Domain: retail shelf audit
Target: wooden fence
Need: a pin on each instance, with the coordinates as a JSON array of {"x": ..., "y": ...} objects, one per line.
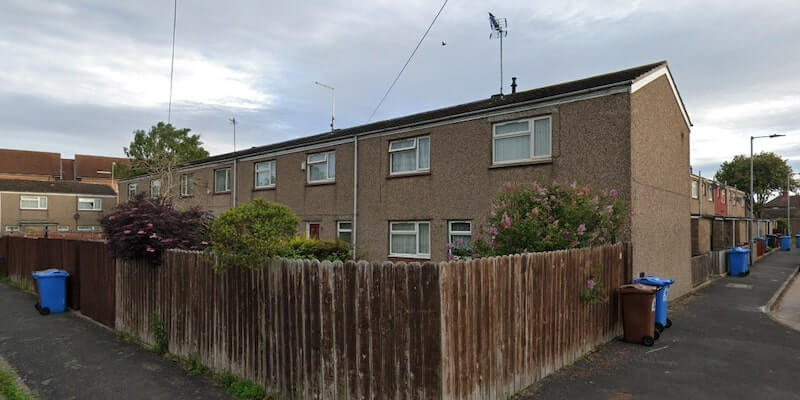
[
  {"x": 90, "y": 287},
  {"x": 484, "y": 328}
]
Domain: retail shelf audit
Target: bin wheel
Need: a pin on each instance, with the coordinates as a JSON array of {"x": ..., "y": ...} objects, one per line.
[
  {"x": 659, "y": 328},
  {"x": 648, "y": 341},
  {"x": 669, "y": 323},
  {"x": 38, "y": 306},
  {"x": 44, "y": 311},
  {"x": 656, "y": 335}
]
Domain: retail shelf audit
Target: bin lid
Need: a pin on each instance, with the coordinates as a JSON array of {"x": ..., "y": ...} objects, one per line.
[
  {"x": 50, "y": 273},
  {"x": 738, "y": 250},
  {"x": 637, "y": 288},
  {"x": 655, "y": 281}
]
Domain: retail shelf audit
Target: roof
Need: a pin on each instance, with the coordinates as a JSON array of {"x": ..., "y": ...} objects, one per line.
[
  {"x": 96, "y": 166},
  {"x": 780, "y": 202},
  {"x": 25, "y": 186},
  {"x": 30, "y": 162},
  {"x": 598, "y": 82}
]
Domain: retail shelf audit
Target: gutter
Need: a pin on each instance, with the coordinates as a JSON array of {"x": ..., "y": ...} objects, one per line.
[{"x": 355, "y": 198}]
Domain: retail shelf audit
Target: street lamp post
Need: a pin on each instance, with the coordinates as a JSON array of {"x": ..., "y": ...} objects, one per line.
[
  {"x": 789, "y": 203},
  {"x": 752, "y": 195}
]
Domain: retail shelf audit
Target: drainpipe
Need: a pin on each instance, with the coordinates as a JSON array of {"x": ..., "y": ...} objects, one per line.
[
  {"x": 233, "y": 188},
  {"x": 355, "y": 196}
]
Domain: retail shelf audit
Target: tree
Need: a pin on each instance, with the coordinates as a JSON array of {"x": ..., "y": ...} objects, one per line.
[
  {"x": 160, "y": 150},
  {"x": 769, "y": 176}
]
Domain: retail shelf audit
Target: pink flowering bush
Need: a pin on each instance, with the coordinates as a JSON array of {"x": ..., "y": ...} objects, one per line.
[
  {"x": 593, "y": 292},
  {"x": 144, "y": 228},
  {"x": 534, "y": 217}
]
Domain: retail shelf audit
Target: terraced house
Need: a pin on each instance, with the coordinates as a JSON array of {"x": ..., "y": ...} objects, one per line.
[{"x": 405, "y": 187}]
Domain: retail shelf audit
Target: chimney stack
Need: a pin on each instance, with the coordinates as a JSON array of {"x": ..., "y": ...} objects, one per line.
[{"x": 513, "y": 84}]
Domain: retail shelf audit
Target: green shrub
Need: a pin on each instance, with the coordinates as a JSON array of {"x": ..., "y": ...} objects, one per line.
[
  {"x": 330, "y": 250},
  {"x": 246, "y": 235},
  {"x": 534, "y": 217},
  {"x": 160, "y": 337},
  {"x": 246, "y": 390}
]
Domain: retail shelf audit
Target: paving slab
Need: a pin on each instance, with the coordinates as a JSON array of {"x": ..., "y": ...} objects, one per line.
[
  {"x": 63, "y": 356},
  {"x": 723, "y": 345},
  {"x": 788, "y": 309}
]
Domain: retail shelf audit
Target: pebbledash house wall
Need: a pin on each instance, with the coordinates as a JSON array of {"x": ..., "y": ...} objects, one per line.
[
  {"x": 600, "y": 140},
  {"x": 660, "y": 228}
]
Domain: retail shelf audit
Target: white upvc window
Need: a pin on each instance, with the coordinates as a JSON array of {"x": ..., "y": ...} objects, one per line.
[
  {"x": 410, "y": 239},
  {"x": 62, "y": 228},
  {"x": 344, "y": 231},
  {"x": 321, "y": 167},
  {"x": 186, "y": 185},
  {"x": 155, "y": 188},
  {"x": 410, "y": 155},
  {"x": 90, "y": 204},
  {"x": 90, "y": 228},
  {"x": 33, "y": 202},
  {"x": 265, "y": 174},
  {"x": 694, "y": 190},
  {"x": 459, "y": 233},
  {"x": 222, "y": 180},
  {"x": 710, "y": 192},
  {"x": 12, "y": 228},
  {"x": 131, "y": 191},
  {"x": 522, "y": 140}
]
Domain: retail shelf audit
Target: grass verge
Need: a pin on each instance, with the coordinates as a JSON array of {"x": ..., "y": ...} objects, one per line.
[
  {"x": 25, "y": 286},
  {"x": 9, "y": 386}
]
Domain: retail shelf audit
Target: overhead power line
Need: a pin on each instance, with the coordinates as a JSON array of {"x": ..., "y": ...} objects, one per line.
[{"x": 407, "y": 61}]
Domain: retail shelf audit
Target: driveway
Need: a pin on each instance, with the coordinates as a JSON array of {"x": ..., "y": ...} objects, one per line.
[
  {"x": 63, "y": 356},
  {"x": 722, "y": 346}
]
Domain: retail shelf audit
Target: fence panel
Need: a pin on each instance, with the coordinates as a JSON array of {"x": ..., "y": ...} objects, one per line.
[
  {"x": 4, "y": 255},
  {"x": 97, "y": 281},
  {"x": 509, "y": 321}
]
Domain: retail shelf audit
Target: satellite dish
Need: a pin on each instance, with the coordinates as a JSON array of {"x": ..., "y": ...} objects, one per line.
[{"x": 76, "y": 217}]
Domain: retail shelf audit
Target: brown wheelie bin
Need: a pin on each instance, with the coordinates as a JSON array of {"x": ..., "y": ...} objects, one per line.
[{"x": 638, "y": 313}]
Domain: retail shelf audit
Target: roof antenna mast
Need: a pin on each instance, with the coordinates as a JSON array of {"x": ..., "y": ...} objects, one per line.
[
  {"x": 333, "y": 101},
  {"x": 499, "y": 30}
]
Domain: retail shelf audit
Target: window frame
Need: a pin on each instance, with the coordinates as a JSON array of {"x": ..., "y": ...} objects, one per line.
[
  {"x": 272, "y": 171},
  {"x": 97, "y": 203},
  {"x": 451, "y": 232},
  {"x": 308, "y": 229},
  {"x": 186, "y": 186},
  {"x": 66, "y": 228},
  {"x": 530, "y": 133},
  {"x": 154, "y": 195},
  {"x": 227, "y": 171},
  {"x": 417, "y": 223},
  {"x": 414, "y": 146},
  {"x": 30, "y": 198},
  {"x": 88, "y": 228},
  {"x": 13, "y": 229},
  {"x": 328, "y": 178},
  {"x": 339, "y": 230},
  {"x": 132, "y": 190},
  {"x": 695, "y": 189}
]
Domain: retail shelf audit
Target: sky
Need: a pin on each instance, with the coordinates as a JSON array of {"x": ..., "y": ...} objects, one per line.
[{"x": 80, "y": 76}]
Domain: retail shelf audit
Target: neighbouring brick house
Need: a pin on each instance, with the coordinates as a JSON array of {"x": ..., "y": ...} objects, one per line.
[
  {"x": 719, "y": 215},
  {"x": 44, "y": 166},
  {"x": 60, "y": 207},
  {"x": 405, "y": 187},
  {"x": 776, "y": 208}
]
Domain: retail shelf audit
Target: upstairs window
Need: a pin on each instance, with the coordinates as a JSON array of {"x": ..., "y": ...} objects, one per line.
[
  {"x": 186, "y": 185},
  {"x": 222, "y": 180},
  {"x": 694, "y": 190},
  {"x": 155, "y": 188},
  {"x": 33, "y": 202},
  {"x": 523, "y": 140},
  {"x": 90, "y": 204},
  {"x": 131, "y": 190},
  {"x": 321, "y": 167},
  {"x": 410, "y": 155},
  {"x": 265, "y": 174}
]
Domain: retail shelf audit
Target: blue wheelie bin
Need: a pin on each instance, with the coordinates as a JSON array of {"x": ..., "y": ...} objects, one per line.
[
  {"x": 52, "y": 291},
  {"x": 737, "y": 261},
  {"x": 786, "y": 243},
  {"x": 797, "y": 240},
  {"x": 661, "y": 320}
]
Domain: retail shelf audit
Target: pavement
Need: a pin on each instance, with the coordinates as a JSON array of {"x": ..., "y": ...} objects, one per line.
[
  {"x": 787, "y": 311},
  {"x": 63, "y": 356},
  {"x": 722, "y": 345}
]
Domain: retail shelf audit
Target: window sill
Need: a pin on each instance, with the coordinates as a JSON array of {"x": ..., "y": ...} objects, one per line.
[
  {"x": 408, "y": 174},
  {"x": 90, "y": 210},
  {"x": 186, "y": 196},
  {"x": 410, "y": 256},
  {"x": 226, "y": 192},
  {"x": 264, "y": 188},
  {"x": 522, "y": 163},
  {"x": 321, "y": 183}
]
